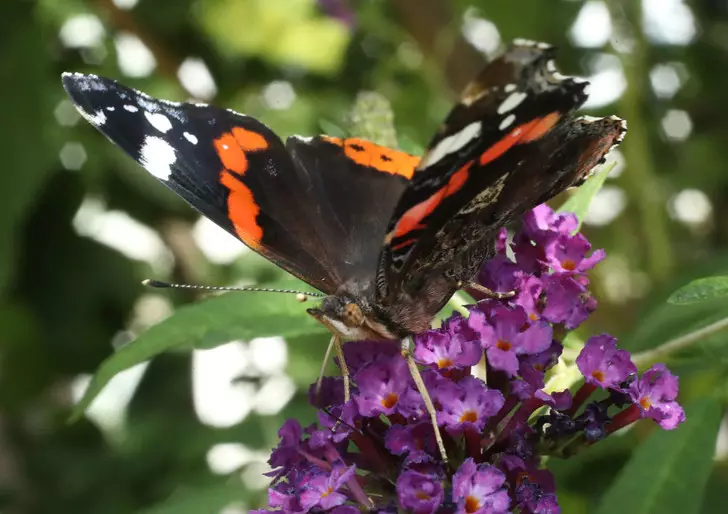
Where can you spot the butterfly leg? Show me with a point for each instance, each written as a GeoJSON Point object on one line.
{"type": "Point", "coordinates": [335, 344]}
{"type": "Point", "coordinates": [489, 292]}
{"type": "Point", "coordinates": [417, 377]}
{"type": "Point", "coordinates": [344, 368]}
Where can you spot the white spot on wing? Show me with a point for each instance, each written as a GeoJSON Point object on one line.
{"type": "Point", "coordinates": [511, 102]}
{"type": "Point", "coordinates": [453, 143]}
{"type": "Point", "coordinates": [157, 157]}
{"type": "Point", "coordinates": [131, 108]}
{"type": "Point", "coordinates": [507, 122]}
{"type": "Point", "coordinates": [159, 121]}
{"type": "Point", "coordinates": [190, 137]}
{"type": "Point", "coordinates": [111, 108]}
{"type": "Point", "coordinates": [509, 88]}
{"type": "Point", "coordinates": [305, 139]}
{"type": "Point", "coordinates": [96, 119]}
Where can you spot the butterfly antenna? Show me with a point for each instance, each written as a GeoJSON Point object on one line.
{"type": "Point", "coordinates": [301, 295]}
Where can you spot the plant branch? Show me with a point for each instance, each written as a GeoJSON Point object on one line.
{"type": "Point", "coordinates": [641, 181]}
{"type": "Point", "coordinates": [649, 357]}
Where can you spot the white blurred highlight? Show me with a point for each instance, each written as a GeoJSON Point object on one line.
{"type": "Point", "coordinates": [218, 245]}
{"type": "Point", "coordinates": [82, 31]}
{"type": "Point", "coordinates": [677, 125]}
{"type": "Point", "coordinates": [481, 33]}
{"type": "Point", "coordinates": [220, 399]}
{"type": "Point", "coordinates": [665, 80]}
{"type": "Point", "coordinates": [669, 22]}
{"type": "Point", "coordinates": [279, 95]}
{"type": "Point", "coordinates": [608, 203]}
{"type": "Point", "coordinates": [607, 81]}
{"type": "Point", "coordinates": [125, 4]}
{"type": "Point", "coordinates": [691, 206]}
{"type": "Point", "coordinates": [593, 25]}
{"type": "Point", "coordinates": [72, 155]}
{"type": "Point", "coordinates": [108, 410]}
{"type": "Point", "coordinates": [118, 230]}
{"type": "Point", "coordinates": [195, 77]}
{"type": "Point", "coordinates": [135, 59]}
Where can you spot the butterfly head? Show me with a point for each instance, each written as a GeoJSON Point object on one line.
{"type": "Point", "coordinates": [351, 318]}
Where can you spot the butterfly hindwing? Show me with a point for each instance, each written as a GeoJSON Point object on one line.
{"type": "Point", "coordinates": [501, 151]}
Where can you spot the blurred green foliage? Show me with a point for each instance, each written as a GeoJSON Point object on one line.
{"type": "Point", "coordinates": [69, 298]}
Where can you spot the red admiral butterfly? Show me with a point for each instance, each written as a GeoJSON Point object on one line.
{"type": "Point", "coordinates": [388, 237]}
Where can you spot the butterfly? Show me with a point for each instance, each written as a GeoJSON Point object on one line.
{"type": "Point", "coordinates": [388, 237]}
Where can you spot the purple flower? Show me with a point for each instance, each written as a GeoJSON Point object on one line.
{"type": "Point", "coordinates": [287, 451]}
{"type": "Point", "coordinates": [529, 289]}
{"type": "Point", "coordinates": [479, 489]}
{"type": "Point", "coordinates": [364, 353]}
{"type": "Point", "coordinates": [447, 350]}
{"type": "Point", "coordinates": [467, 404]}
{"type": "Point", "coordinates": [322, 490]}
{"type": "Point", "coordinates": [567, 301]}
{"type": "Point", "coordinates": [654, 393]}
{"type": "Point", "coordinates": [415, 440]}
{"type": "Point", "coordinates": [419, 493]}
{"type": "Point", "coordinates": [567, 254]}
{"type": "Point", "coordinates": [381, 384]}
{"type": "Point", "coordinates": [602, 364]}
{"type": "Point", "coordinates": [379, 453]}
{"type": "Point", "coordinates": [508, 334]}
{"type": "Point", "coordinates": [500, 274]}
{"type": "Point", "coordinates": [541, 223]}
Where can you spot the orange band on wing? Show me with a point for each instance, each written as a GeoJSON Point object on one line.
{"type": "Point", "coordinates": [242, 210]}
{"type": "Point", "coordinates": [541, 127]}
{"type": "Point", "coordinates": [412, 219]}
{"type": "Point", "coordinates": [249, 140]}
{"type": "Point", "coordinates": [230, 153]}
{"type": "Point", "coordinates": [375, 156]}
{"type": "Point", "coordinates": [231, 148]}
{"type": "Point", "coordinates": [524, 133]}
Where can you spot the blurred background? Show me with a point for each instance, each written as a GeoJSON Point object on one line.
{"type": "Point", "coordinates": [81, 225]}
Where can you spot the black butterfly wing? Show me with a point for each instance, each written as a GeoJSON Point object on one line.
{"type": "Point", "coordinates": [317, 207]}
{"type": "Point", "coordinates": [512, 142]}
{"type": "Point", "coordinates": [228, 166]}
{"type": "Point", "coordinates": [359, 184]}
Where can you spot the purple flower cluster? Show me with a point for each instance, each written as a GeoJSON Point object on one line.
{"type": "Point", "coordinates": [378, 451]}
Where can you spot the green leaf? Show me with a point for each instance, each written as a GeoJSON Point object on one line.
{"type": "Point", "coordinates": [579, 202]}
{"type": "Point", "coordinates": [670, 471]}
{"type": "Point", "coordinates": [701, 290]}
{"type": "Point", "coordinates": [207, 324]}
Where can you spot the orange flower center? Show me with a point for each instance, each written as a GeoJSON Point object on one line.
{"type": "Point", "coordinates": [390, 400]}
{"type": "Point", "coordinates": [327, 492]}
{"type": "Point", "coordinates": [568, 265]}
{"type": "Point", "coordinates": [533, 316]}
{"type": "Point", "coordinates": [471, 504]}
{"type": "Point", "coordinates": [598, 375]}
{"type": "Point", "coordinates": [645, 403]}
{"type": "Point", "coordinates": [444, 363]}
{"type": "Point", "coordinates": [503, 345]}
{"type": "Point", "coordinates": [469, 416]}
{"type": "Point", "coordinates": [422, 495]}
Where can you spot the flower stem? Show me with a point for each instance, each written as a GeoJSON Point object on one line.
{"type": "Point", "coordinates": [649, 357]}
